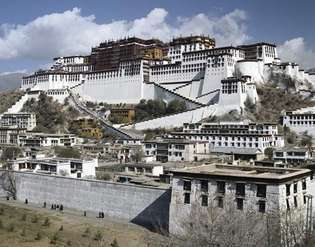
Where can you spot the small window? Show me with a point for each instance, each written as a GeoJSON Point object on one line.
{"type": "Point", "coordinates": [262, 206]}
{"type": "Point", "coordinates": [221, 187]}
{"type": "Point", "coordinates": [304, 199]}
{"type": "Point", "coordinates": [240, 189]}
{"type": "Point", "coordinates": [204, 201]}
{"type": "Point", "coordinates": [303, 185]}
{"type": "Point", "coordinates": [288, 204]}
{"type": "Point", "coordinates": [187, 185]}
{"type": "Point", "coordinates": [187, 198]}
{"type": "Point", "coordinates": [204, 185]}
{"type": "Point", "coordinates": [288, 189]}
{"type": "Point", "coordinates": [220, 202]}
{"type": "Point", "coordinates": [295, 202]}
{"type": "Point", "coordinates": [261, 190]}
{"type": "Point", "coordinates": [295, 188]}
{"type": "Point", "coordinates": [239, 203]}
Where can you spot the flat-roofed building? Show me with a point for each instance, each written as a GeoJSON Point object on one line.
{"type": "Point", "coordinates": [301, 121]}
{"type": "Point", "coordinates": [264, 51]}
{"type": "Point", "coordinates": [25, 120]}
{"type": "Point", "coordinates": [261, 202]}
{"type": "Point", "coordinates": [293, 156]}
{"type": "Point", "coordinates": [32, 139]}
{"type": "Point", "coordinates": [122, 113]}
{"type": "Point", "coordinates": [154, 170]}
{"type": "Point", "coordinates": [243, 139]}
{"type": "Point", "coordinates": [176, 149]}
{"type": "Point", "coordinates": [87, 128]}
{"type": "Point", "coordinates": [93, 148]}
{"type": "Point", "coordinates": [76, 168]}
{"type": "Point", "coordinates": [10, 135]}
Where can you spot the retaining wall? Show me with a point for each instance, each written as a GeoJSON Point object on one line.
{"type": "Point", "coordinates": [141, 205]}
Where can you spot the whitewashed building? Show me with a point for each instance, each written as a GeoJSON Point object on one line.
{"type": "Point", "coordinates": [300, 121]}
{"type": "Point", "coordinates": [154, 170]}
{"type": "Point", "coordinates": [236, 91]}
{"type": "Point", "coordinates": [25, 120]}
{"type": "Point", "coordinates": [238, 138]}
{"type": "Point", "coordinates": [32, 139]}
{"type": "Point", "coordinates": [294, 156]}
{"type": "Point", "coordinates": [258, 204]}
{"type": "Point", "coordinates": [176, 149]}
{"type": "Point", "coordinates": [10, 135]}
{"type": "Point", "coordinates": [75, 168]}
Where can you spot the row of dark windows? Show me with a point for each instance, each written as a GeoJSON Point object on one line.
{"type": "Point", "coordinates": [302, 122]}
{"type": "Point", "coordinates": [295, 202]}
{"type": "Point", "coordinates": [295, 186]}
{"type": "Point", "coordinates": [239, 191]}
{"type": "Point", "coordinates": [220, 202]}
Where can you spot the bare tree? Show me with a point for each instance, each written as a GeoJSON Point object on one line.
{"type": "Point", "coordinates": [7, 182]}
{"type": "Point", "coordinates": [137, 156]}
{"type": "Point", "coordinates": [230, 227]}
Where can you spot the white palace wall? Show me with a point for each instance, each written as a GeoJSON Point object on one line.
{"type": "Point", "coordinates": [255, 69]}
{"type": "Point", "coordinates": [127, 89]}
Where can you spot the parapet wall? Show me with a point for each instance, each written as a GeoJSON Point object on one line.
{"type": "Point", "coordinates": [141, 205]}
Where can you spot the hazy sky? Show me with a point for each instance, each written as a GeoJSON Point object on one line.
{"type": "Point", "coordinates": [32, 32]}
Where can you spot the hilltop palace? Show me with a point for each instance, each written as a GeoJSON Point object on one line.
{"type": "Point", "coordinates": [190, 68]}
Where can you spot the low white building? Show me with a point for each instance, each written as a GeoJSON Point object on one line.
{"type": "Point", "coordinates": [176, 149]}
{"type": "Point", "coordinates": [129, 141]}
{"type": "Point", "coordinates": [258, 204]}
{"type": "Point", "coordinates": [25, 120]}
{"type": "Point", "coordinates": [75, 168]}
{"type": "Point", "coordinates": [144, 169]}
{"type": "Point", "coordinates": [294, 156]}
{"type": "Point", "coordinates": [241, 138]}
{"type": "Point", "coordinates": [31, 139]}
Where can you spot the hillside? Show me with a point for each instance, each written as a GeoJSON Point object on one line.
{"type": "Point", "coordinates": [52, 117]}
{"type": "Point", "coordinates": [8, 98]}
{"type": "Point", "coordinates": [272, 101]}
{"type": "Point", "coordinates": [25, 226]}
{"type": "Point", "coordinates": [10, 81]}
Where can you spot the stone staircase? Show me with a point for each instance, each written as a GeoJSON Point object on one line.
{"type": "Point", "coordinates": [175, 120]}
{"type": "Point", "coordinates": [125, 134]}
{"type": "Point", "coordinates": [18, 106]}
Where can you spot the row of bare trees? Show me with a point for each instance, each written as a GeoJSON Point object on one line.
{"type": "Point", "coordinates": [229, 227]}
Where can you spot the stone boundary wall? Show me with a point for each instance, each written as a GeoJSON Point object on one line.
{"type": "Point", "coordinates": [141, 205]}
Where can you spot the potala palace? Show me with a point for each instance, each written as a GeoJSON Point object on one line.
{"type": "Point", "coordinates": [171, 171]}
{"type": "Point", "coordinates": [191, 69]}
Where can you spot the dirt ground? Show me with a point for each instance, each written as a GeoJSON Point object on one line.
{"type": "Point", "coordinates": [24, 225]}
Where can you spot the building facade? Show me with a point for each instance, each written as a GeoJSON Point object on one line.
{"type": "Point", "coordinates": [144, 169]}
{"type": "Point", "coordinates": [31, 139]}
{"type": "Point", "coordinates": [234, 137]}
{"type": "Point", "coordinates": [87, 128]}
{"type": "Point", "coordinates": [176, 149]}
{"type": "Point", "coordinates": [301, 121]}
{"type": "Point", "coordinates": [10, 135]}
{"type": "Point", "coordinates": [25, 120]}
{"type": "Point", "coordinates": [125, 114]}
{"type": "Point", "coordinates": [75, 168]}
{"type": "Point", "coordinates": [255, 201]}
{"type": "Point", "coordinates": [293, 156]}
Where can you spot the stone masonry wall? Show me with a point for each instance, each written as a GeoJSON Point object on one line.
{"type": "Point", "coordinates": [141, 205]}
